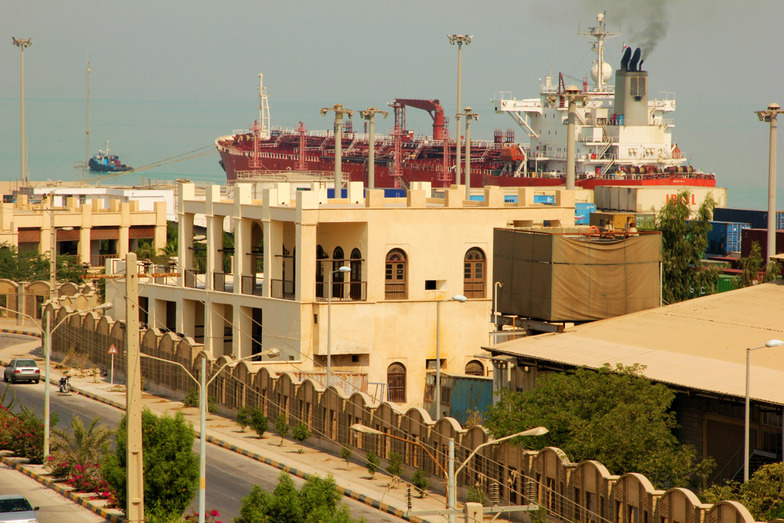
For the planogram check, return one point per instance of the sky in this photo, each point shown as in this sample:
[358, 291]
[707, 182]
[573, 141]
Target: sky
[169, 76]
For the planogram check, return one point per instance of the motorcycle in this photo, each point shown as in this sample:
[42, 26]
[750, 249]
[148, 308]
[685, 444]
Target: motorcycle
[65, 384]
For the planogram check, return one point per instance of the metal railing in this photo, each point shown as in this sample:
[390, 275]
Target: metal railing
[99, 260]
[283, 289]
[219, 281]
[252, 285]
[342, 291]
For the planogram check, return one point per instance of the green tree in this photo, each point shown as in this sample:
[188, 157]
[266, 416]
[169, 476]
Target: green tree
[420, 482]
[346, 454]
[171, 468]
[395, 464]
[613, 415]
[79, 446]
[762, 494]
[372, 464]
[300, 433]
[281, 427]
[258, 421]
[753, 265]
[684, 243]
[317, 502]
[32, 266]
[243, 417]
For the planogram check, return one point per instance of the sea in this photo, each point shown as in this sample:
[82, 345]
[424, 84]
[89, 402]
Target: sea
[172, 138]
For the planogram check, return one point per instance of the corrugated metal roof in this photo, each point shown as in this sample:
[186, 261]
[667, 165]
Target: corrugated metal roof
[697, 344]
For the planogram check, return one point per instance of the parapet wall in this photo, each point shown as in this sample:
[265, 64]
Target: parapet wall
[584, 491]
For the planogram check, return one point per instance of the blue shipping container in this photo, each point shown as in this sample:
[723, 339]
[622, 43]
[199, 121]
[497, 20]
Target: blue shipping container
[755, 218]
[725, 237]
[582, 213]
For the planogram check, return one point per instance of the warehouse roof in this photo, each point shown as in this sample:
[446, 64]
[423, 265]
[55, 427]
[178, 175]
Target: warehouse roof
[697, 344]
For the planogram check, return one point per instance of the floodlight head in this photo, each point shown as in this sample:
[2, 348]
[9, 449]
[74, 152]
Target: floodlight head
[344, 269]
[199, 237]
[774, 343]
[460, 298]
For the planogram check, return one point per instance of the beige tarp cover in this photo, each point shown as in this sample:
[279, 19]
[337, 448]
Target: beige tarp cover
[557, 277]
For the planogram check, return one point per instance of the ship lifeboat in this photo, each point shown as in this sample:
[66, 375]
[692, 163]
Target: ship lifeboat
[511, 154]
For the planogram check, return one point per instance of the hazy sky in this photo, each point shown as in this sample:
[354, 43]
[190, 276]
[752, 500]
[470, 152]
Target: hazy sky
[720, 58]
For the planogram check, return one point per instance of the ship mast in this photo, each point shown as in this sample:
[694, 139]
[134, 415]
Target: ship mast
[86, 166]
[599, 34]
[264, 115]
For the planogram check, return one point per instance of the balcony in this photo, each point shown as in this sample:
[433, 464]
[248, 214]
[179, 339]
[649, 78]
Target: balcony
[99, 260]
[342, 291]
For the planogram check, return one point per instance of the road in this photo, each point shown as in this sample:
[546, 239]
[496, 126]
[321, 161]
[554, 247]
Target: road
[230, 476]
[53, 508]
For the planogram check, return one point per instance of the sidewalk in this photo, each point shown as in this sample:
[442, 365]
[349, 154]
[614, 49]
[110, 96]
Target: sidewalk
[353, 480]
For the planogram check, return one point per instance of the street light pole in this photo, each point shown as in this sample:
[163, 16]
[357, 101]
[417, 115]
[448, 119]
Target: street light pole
[746, 446]
[459, 40]
[470, 115]
[771, 115]
[458, 298]
[22, 44]
[342, 269]
[340, 112]
[452, 488]
[203, 383]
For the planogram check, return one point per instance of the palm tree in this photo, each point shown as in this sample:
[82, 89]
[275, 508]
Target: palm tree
[80, 445]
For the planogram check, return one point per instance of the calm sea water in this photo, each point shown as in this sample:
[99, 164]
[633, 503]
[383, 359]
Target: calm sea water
[144, 131]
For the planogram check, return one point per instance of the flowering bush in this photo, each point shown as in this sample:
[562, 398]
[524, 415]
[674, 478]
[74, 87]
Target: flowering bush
[209, 517]
[23, 433]
[57, 467]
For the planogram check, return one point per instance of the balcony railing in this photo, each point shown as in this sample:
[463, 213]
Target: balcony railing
[395, 291]
[99, 260]
[219, 281]
[252, 285]
[282, 289]
[342, 291]
[474, 289]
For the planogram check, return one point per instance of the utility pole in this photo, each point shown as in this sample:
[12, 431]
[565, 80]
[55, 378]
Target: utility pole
[369, 114]
[22, 44]
[470, 115]
[771, 115]
[459, 40]
[133, 400]
[339, 113]
[574, 97]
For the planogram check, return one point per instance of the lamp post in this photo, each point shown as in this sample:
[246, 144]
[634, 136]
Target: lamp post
[369, 114]
[342, 269]
[497, 285]
[746, 446]
[536, 431]
[203, 383]
[771, 115]
[459, 40]
[458, 298]
[48, 330]
[340, 112]
[574, 96]
[470, 115]
[22, 44]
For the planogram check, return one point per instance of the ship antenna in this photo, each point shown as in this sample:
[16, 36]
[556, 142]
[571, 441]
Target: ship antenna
[264, 115]
[599, 34]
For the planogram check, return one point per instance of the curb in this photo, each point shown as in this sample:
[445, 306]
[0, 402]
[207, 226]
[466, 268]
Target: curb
[69, 494]
[362, 498]
[23, 332]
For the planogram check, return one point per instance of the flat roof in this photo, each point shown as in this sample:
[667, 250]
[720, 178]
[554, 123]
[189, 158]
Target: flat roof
[697, 344]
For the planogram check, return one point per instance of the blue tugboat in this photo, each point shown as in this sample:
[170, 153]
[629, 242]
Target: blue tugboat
[103, 162]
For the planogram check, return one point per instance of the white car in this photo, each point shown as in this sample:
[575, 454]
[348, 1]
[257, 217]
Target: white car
[22, 370]
[16, 508]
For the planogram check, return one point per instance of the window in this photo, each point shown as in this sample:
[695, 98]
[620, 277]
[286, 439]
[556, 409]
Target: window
[337, 276]
[396, 275]
[321, 254]
[396, 383]
[355, 289]
[474, 368]
[474, 274]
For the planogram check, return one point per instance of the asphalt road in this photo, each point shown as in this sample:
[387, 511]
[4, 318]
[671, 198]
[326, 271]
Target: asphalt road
[53, 508]
[230, 476]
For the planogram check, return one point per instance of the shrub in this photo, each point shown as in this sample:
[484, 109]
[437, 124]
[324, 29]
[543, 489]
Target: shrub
[419, 480]
[300, 432]
[258, 421]
[372, 464]
[243, 417]
[346, 453]
[191, 399]
[281, 427]
[395, 466]
[476, 495]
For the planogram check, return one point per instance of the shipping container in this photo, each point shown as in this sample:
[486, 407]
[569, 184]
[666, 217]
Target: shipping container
[725, 237]
[650, 199]
[749, 236]
[462, 397]
[613, 220]
[755, 218]
[582, 213]
[727, 283]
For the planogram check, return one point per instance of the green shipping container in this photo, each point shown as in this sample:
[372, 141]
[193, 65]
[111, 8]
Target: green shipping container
[727, 283]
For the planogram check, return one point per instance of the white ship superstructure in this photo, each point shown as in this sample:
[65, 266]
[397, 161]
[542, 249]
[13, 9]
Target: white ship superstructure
[617, 130]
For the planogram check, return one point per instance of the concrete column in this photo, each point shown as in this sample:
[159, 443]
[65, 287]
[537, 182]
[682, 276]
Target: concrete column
[159, 240]
[123, 244]
[241, 331]
[85, 245]
[242, 233]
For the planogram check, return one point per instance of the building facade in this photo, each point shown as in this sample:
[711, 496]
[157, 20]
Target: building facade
[382, 322]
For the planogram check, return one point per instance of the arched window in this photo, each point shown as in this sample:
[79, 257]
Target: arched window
[396, 383]
[474, 368]
[337, 276]
[474, 273]
[396, 275]
[321, 254]
[356, 275]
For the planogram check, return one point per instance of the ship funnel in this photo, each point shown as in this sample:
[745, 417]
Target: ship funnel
[635, 59]
[627, 54]
[631, 90]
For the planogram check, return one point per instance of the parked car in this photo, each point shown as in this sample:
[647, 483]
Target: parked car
[22, 370]
[14, 507]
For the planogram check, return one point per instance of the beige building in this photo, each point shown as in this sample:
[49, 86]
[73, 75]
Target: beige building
[94, 231]
[407, 258]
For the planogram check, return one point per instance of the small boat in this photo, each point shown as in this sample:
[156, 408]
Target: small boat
[103, 162]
